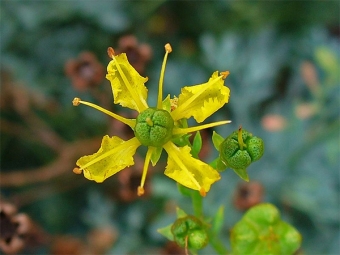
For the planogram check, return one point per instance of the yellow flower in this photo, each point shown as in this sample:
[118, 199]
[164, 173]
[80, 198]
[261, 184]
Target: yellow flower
[156, 127]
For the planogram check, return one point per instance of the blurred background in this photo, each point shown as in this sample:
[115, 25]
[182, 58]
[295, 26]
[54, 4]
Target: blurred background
[283, 58]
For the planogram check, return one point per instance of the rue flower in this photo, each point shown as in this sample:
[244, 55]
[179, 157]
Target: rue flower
[156, 127]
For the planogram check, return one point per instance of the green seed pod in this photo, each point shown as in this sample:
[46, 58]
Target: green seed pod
[255, 147]
[189, 231]
[154, 127]
[198, 239]
[240, 149]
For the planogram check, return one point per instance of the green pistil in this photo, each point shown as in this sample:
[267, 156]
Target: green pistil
[154, 127]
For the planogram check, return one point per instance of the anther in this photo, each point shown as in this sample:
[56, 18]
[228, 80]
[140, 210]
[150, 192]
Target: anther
[110, 52]
[224, 74]
[76, 101]
[77, 170]
[174, 103]
[203, 193]
[140, 191]
[168, 48]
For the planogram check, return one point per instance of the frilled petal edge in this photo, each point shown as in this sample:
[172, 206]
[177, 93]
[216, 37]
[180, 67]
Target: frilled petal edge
[114, 155]
[188, 171]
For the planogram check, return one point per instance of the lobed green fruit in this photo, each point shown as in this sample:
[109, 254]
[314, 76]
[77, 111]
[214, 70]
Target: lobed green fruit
[191, 229]
[235, 156]
[154, 127]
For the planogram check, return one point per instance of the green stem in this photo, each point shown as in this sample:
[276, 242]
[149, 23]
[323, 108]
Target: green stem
[197, 204]
[218, 246]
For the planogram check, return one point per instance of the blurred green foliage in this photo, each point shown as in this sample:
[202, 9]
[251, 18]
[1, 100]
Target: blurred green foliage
[266, 46]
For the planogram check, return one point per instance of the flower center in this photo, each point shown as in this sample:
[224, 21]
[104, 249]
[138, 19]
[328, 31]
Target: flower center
[154, 127]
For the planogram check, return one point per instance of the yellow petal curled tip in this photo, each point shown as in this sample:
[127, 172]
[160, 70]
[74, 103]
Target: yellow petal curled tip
[114, 155]
[188, 171]
[201, 101]
[127, 84]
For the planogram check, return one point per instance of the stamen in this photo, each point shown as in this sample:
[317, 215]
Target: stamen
[76, 101]
[141, 104]
[140, 189]
[149, 121]
[77, 170]
[168, 49]
[203, 193]
[170, 147]
[110, 52]
[174, 103]
[130, 122]
[191, 99]
[177, 131]
[224, 74]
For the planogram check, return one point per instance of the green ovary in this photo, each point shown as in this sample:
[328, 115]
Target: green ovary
[154, 127]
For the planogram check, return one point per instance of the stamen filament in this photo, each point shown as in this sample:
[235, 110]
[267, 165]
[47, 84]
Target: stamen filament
[140, 189]
[141, 104]
[129, 122]
[175, 114]
[177, 131]
[168, 49]
[170, 147]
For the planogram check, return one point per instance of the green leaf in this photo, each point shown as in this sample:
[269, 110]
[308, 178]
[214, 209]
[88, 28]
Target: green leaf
[167, 104]
[166, 232]
[217, 140]
[218, 164]
[218, 221]
[156, 154]
[261, 231]
[242, 173]
[196, 145]
[180, 213]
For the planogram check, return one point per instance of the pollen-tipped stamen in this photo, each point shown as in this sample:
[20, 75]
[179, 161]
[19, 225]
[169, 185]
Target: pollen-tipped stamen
[141, 104]
[168, 49]
[178, 131]
[140, 189]
[130, 122]
[77, 170]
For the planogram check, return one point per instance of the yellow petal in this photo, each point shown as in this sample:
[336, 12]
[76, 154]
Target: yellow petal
[188, 171]
[114, 155]
[201, 101]
[127, 85]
